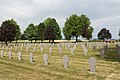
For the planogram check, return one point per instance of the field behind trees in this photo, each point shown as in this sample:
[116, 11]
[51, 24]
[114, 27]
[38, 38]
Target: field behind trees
[107, 68]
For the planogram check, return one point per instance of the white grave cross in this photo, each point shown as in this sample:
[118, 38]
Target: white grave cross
[72, 51]
[92, 64]
[45, 58]
[50, 50]
[19, 55]
[31, 57]
[65, 61]
[60, 49]
[2, 53]
[10, 54]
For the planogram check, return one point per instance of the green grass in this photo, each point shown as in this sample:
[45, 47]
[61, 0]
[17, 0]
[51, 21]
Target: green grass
[108, 67]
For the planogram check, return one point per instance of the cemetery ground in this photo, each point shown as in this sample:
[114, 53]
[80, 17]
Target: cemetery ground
[107, 67]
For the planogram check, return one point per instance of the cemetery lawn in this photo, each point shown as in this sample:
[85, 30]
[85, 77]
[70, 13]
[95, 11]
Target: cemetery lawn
[107, 68]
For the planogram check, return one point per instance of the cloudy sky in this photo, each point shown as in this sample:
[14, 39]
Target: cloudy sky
[102, 13]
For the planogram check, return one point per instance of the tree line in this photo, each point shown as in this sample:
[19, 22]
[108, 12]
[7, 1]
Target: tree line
[49, 29]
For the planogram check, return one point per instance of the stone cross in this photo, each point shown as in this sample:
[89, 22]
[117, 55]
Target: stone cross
[106, 47]
[75, 46]
[118, 49]
[50, 49]
[10, 54]
[85, 51]
[27, 49]
[102, 51]
[21, 48]
[45, 58]
[34, 49]
[72, 51]
[41, 49]
[94, 47]
[92, 64]
[60, 49]
[2, 53]
[119, 53]
[6, 48]
[19, 55]
[16, 47]
[65, 61]
[31, 57]
[11, 48]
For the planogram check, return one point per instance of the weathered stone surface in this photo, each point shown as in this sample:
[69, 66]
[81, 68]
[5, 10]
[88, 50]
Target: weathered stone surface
[65, 61]
[92, 64]
[45, 58]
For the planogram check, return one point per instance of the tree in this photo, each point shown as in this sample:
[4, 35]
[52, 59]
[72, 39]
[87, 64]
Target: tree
[104, 34]
[72, 27]
[23, 37]
[50, 33]
[8, 31]
[77, 26]
[17, 29]
[119, 34]
[67, 33]
[87, 30]
[1, 35]
[30, 32]
[40, 31]
[51, 22]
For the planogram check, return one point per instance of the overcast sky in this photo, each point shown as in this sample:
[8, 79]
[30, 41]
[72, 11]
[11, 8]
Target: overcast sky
[102, 13]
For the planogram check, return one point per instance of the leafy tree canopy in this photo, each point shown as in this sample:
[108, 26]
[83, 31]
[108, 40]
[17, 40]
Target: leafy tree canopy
[8, 30]
[40, 31]
[104, 34]
[30, 32]
[53, 23]
[77, 26]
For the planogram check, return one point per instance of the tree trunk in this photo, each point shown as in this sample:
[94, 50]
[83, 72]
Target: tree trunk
[6, 43]
[35, 41]
[31, 41]
[41, 40]
[16, 41]
[76, 38]
[49, 41]
[53, 41]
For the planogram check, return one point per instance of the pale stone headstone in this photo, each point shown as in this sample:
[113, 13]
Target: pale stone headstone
[106, 47]
[94, 47]
[41, 49]
[92, 64]
[6, 48]
[27, 49]
[118, 49]
[2, 53]
[19, 55]
[60, 49]
[31, 57]
[102, 51]
[65, 61]
[75, 46]
[11, 48]
[16, 47]
[34, 49]
[21, 48]
[10, 54]
[72, 51]
[50, 49]
[85, 51]
[45, 58]
[119, 53]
